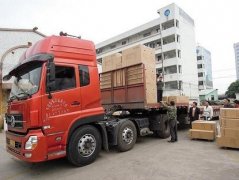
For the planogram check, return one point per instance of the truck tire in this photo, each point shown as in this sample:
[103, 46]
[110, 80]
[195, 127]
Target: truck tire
[164, 131]
[127, 136]
[84, 146]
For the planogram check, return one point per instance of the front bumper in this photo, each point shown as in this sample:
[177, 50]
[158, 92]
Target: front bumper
[15, 145]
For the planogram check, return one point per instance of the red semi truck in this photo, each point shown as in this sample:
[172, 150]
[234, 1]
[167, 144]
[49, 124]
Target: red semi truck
[55, 108]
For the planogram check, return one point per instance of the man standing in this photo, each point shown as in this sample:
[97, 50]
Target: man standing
[172, 116]
[227, 103]
[207, 111]
[194, 113]
[159, 88]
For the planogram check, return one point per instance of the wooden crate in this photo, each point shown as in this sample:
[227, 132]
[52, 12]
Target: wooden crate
[105, 80]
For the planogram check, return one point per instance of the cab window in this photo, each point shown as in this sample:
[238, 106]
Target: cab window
[65, 78]
[84, 75]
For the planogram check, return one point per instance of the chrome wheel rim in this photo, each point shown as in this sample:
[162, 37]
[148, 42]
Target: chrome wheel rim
[87, 145]
[127, 135]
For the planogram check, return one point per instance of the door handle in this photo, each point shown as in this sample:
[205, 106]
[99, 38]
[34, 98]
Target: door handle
[75, 103]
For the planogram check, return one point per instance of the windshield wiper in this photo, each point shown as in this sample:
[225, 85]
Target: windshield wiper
[24, 93]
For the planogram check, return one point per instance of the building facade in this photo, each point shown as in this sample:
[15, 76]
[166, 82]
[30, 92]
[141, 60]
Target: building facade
[236, 49]
[13, 44]
[172, 36]
[204, 66]
[208, 95]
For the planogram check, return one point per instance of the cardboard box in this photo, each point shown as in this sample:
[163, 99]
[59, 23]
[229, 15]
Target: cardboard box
[204, 125]
[227, 142]
[138, 54]
[201, 134]
[112, 62]
[179, 99]
[231, 113]
[165, 99]
[229, 132]
[229, 123]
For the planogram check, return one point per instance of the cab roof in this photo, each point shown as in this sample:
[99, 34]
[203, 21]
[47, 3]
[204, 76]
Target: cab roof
[64, 49]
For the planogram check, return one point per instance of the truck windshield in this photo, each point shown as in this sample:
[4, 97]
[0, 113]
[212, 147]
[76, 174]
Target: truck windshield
[26, 81]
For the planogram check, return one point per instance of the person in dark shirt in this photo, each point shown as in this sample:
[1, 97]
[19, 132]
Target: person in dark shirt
[160, 86]
[194, 113]
[236, 103]
[227, 103]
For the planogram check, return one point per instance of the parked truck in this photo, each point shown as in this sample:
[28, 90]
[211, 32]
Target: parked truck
[55, 108]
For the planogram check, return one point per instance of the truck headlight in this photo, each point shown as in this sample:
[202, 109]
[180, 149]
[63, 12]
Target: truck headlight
[31, 143]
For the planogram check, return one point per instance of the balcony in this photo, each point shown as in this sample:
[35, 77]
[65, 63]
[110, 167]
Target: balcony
[172, 77]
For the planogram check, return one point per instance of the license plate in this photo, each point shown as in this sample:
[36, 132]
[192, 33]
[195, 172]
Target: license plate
[12, 143]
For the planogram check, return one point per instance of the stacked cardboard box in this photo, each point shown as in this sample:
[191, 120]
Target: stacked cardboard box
[176, 99]
[112, 62]
[135, 65]
[203, 130]
[229, 128]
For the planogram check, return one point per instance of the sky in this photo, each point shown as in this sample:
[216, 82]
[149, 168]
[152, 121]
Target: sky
[216, 23]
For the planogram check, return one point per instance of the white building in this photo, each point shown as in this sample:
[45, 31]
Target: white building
[236, 49]
[171, 34]
[13, 43]
[204, 65]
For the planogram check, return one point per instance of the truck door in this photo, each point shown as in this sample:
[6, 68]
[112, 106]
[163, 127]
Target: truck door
[65, 104]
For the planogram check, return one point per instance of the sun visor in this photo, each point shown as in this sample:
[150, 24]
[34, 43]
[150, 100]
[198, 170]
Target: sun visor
[39, 58]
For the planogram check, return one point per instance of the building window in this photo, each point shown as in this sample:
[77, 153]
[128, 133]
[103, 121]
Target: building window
[147, 34]
[159, 57]
[179, 54]
[200, 83]
[170, 54]
[200, 66]
[168, 24]
[84, 75]
[123, 42]
[178, 38]
[177, 23]
[169, 39]
[170, 69]
[200, 74]
[179, 68]
[65, 78]
[171, 85]
[199, 58]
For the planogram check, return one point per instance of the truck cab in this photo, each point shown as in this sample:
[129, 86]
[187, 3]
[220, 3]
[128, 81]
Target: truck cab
[55, 91]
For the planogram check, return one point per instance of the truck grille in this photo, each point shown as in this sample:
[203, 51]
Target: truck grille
[14, 120]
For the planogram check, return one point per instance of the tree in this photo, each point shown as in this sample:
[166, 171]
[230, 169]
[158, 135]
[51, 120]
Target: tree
[232, 89]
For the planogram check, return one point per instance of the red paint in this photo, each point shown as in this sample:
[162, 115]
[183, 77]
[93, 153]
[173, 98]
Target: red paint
[39, 111]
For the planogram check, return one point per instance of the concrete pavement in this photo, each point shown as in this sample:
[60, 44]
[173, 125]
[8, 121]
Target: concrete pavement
[150, 159]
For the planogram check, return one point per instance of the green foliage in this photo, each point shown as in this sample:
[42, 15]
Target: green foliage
[232, 89]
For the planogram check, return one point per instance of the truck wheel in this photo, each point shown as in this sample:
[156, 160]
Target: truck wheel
[84, 146]
[164, 131]
[127, 136]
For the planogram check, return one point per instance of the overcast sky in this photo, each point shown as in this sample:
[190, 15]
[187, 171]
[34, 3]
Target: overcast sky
[216, 23]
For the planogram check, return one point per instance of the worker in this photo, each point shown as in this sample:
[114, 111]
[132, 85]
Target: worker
[207, 111]
[194, 113]
[227, 103]
[172, 116]
[160, 86]
[236, 103]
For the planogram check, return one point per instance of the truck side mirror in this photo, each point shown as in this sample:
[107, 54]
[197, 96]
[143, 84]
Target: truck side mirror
[50, 78]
